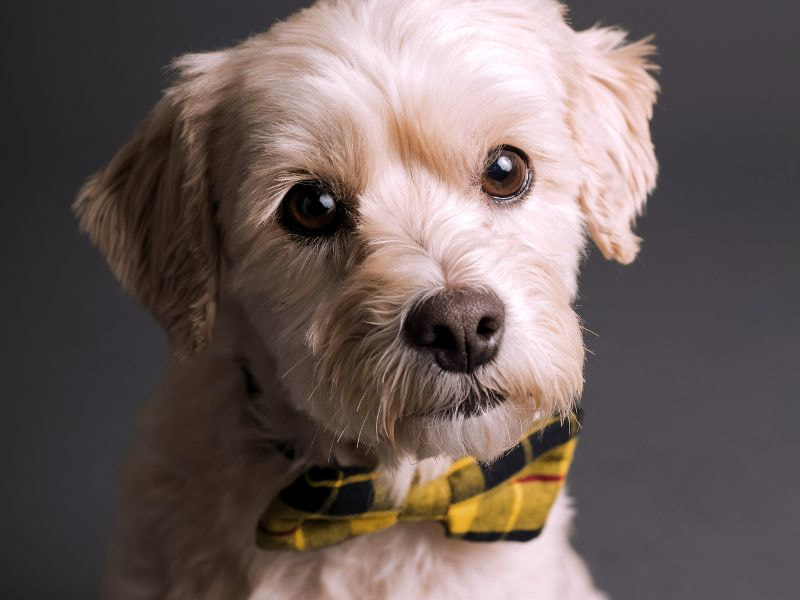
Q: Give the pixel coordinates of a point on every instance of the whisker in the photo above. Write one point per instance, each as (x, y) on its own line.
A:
(358, 440)
(297, 364)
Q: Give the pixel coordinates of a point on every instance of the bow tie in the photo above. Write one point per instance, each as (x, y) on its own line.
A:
(508, 499)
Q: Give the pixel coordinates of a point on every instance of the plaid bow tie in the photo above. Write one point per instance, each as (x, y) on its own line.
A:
(508, 499)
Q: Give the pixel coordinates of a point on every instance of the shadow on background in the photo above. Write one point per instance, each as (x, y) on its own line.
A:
(686, 479)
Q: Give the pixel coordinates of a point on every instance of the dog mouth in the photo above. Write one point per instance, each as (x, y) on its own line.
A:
(475, 403)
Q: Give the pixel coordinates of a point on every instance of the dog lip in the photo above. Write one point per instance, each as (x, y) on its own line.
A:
(471, 406)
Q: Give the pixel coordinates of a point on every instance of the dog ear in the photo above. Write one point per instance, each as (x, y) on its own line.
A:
(150, 214)
(612, 104)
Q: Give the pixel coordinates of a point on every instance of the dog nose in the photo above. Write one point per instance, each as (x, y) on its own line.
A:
(460, 328)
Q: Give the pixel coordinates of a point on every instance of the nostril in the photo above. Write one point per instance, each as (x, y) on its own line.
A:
(425, 337)
(488, 326)
(443, 338)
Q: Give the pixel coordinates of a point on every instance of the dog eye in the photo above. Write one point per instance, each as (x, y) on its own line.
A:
(310, 210)
(507, 175)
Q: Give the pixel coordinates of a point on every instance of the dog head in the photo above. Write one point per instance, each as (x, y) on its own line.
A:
(397, 193)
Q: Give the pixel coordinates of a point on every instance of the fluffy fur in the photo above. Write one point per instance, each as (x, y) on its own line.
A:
(395, 105)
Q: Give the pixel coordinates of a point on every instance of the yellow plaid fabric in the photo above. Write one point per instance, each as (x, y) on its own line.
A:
(508, 499)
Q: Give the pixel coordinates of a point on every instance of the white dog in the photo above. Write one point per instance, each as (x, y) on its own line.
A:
(361, 231)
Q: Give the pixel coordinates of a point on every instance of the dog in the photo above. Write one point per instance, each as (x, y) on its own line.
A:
(361, 232)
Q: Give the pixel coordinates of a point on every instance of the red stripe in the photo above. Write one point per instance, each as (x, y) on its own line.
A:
(279, 533)
(539, 478)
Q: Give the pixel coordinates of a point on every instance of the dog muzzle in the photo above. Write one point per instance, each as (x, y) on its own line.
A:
(505, 500)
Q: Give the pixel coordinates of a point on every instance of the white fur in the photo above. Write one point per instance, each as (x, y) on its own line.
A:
(395, 104)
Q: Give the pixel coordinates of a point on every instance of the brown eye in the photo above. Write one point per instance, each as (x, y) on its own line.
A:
(507, 175)
(308, 209)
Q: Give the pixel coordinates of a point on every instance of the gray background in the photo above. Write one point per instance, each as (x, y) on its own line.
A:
(687, 476)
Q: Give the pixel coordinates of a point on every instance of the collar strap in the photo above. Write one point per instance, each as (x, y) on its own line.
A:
(508, 499)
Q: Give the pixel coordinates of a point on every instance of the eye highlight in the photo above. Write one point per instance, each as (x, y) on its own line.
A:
(507, 175)
(308, 209)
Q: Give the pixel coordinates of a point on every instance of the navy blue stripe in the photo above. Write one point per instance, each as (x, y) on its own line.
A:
(551, 437)
(521, 535)
(351, 498)
(301, 496)
(497, 472)
(506, 466)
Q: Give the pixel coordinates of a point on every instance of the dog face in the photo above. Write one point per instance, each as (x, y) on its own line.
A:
(397, 194)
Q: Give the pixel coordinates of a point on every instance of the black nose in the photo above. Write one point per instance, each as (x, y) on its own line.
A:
(461, 328)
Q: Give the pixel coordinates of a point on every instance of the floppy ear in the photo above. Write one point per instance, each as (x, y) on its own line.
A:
(149, 211)
(611, 107)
